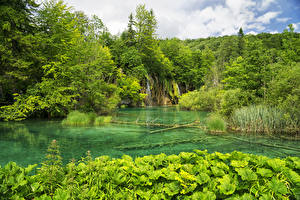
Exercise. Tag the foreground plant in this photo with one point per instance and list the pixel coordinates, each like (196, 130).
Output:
(198, 175)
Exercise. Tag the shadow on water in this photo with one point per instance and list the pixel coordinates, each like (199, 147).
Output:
(27, 142)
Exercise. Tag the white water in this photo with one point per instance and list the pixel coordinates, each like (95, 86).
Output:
(148, 92)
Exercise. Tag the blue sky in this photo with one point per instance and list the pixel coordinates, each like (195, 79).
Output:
(199, 18)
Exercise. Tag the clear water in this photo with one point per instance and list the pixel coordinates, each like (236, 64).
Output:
(27, 142)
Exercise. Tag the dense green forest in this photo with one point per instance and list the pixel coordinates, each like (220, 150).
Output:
(55, 60)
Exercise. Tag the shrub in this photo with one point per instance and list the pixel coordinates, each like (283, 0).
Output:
(233, 99)
(202, 100)
(216, 123)
(102, 120)
(260, 118)
(76, 118)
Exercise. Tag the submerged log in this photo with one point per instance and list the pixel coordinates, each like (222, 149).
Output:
(148, 146)
(142, 123)
(174, 127)
(267, 145)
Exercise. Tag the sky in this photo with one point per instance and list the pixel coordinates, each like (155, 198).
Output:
(198, 18)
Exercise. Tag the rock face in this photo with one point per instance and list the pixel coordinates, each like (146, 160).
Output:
(161, 92)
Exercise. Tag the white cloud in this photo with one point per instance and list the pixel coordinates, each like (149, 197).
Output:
(184, 18)
(284, 19)
(296, 26)
(274, 32)
(266, 18)
(256, 26)
(265, 4)
(252, 33)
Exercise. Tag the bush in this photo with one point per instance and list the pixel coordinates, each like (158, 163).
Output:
(102, 120)
(198, 175)
(216, 123)
(76, 118)
(260, 118)
(233, 99)
(202, 100)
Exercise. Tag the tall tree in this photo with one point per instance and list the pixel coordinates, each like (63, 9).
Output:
(18, 61)
(241, 42)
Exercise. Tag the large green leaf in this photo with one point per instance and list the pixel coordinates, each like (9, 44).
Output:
(239, 163)
(207, 195)
(277, 164)
(277, 186)
(264, 172)
(226, 185)
(217, 171)
(246, 174)
(172, 188)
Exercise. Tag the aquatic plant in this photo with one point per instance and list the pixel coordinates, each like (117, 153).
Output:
(102, 120)
(76, 118)
(216, 123)
(261, 118)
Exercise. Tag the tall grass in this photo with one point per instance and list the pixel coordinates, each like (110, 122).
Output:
(76, 118)
(259, 119)
(102, 120)
(216, 123)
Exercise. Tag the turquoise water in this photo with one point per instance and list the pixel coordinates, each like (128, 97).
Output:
(27, 142)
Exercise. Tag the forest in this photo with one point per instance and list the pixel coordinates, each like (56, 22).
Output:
(55, 60)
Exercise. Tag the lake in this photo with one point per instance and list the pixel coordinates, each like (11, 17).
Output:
(26, 142)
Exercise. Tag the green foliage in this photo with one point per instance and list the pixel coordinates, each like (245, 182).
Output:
(54, 60)
(231, 100)
(130, 91)
(15, 181)
(51, 174)
(284, 92)
(261, 119)
(216, 123)
(202, 100)
(76, 118)
(198, 175)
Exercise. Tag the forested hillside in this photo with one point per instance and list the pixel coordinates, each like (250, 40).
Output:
(55, 60)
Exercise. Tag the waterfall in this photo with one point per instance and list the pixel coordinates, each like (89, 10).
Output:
(178, 90)
(148, 92)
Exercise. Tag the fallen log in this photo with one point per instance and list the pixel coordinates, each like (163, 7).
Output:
(148, 146)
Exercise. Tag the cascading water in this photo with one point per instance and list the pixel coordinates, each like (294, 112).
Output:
(148, 92)
(178, 90)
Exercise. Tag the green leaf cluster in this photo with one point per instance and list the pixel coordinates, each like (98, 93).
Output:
(198, 175)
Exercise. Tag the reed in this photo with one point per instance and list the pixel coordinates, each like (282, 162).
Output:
(102, 120)
(259, 119)
(216, 123)
(76, 118)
